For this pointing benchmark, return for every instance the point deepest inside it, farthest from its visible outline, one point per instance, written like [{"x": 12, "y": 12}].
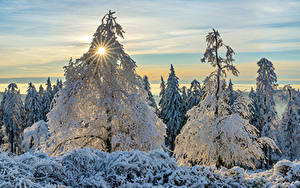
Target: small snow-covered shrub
[
  {"x": 85, "y": 167},
  {"x": 288, "y": 170},
  {"x": 139, "y": 167},
  {"x": 35, "y": 135},
  {"x": 94, "y": 168},
  {"x": 284, "y": 174},
  {"x": 282, "y": 167}
]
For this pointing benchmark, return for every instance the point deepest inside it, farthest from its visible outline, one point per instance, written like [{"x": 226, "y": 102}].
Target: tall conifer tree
[
  {"x": 13, "y": 117},
  {"x": 33, "y": 106},
  {"x": 150, "y": 97},
  {"x": 172, "y": 112}
]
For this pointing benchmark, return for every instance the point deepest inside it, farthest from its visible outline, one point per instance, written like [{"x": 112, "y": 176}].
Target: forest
[{"x": 102, "y": 127}]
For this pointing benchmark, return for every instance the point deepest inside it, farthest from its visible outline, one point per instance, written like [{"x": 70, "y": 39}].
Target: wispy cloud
[{"x": 34, "y": 33}]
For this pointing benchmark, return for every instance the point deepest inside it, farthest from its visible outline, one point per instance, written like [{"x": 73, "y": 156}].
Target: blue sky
[{"x": 37, "y": 38}]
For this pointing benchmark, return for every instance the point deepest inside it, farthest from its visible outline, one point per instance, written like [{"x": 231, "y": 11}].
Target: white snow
[{"x": 94, "y": 168}]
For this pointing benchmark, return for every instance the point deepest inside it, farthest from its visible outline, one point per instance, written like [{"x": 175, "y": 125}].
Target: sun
[{"x": 101, "y": 51}]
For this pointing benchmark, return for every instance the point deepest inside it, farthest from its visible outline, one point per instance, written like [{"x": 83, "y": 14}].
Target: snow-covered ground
[{"x": 94, "y": 168}]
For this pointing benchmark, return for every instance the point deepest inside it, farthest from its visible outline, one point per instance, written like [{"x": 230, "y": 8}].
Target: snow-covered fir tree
[
  {"x": 33, "y": 106},
  {"x": 13, "y": 117},
  {"x": 150, "y": 97},
  {"x": 161, "y": 94},
  {"x": 184, "y": 93},
  {"x": 59, "y": 84},
  {"x": 217, "y": 133},
  {"x": 1, "y": 117},
  {"x": 172, "y": 111},
  {"x": 41, "y": 92},
  {"x": 47, "y": 97},
  {"x": 46, "y": 102},
  {"x": 103, "y": 103},
  {"x": 265, "y": 88},
  {"x": 195, "y": 94},
  {"x": 49, "y": 87},
  {"x": 289, "y": 131},
  {"x": 253, "y": 108},
  {"x": 184, "y": 99},
  {"x": 231, "y": 93},
  {"x": 57, "y": 87}
]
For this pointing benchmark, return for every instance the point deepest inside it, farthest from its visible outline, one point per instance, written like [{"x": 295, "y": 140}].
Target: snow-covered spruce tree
[
  {"x": 217, "y": 133},
  {"x": 59, "y": 84},
  {"x": 184, "y": 99},
  {"x": 103, "y": 104},
  {"x": 253, "y": 108},
  {"x": 49, "y": 87},
  {"x": 150, "y": 98},
  {"x": 41, "y": 92},
  {"x": 195, "y": 94},
  {"x": 161, "y": 94},
  {"x": 184, "y": 93},
  {"x": 4, "y": 94},
  {"x": 47, "y": 99},
  {"x": 57, "y": 87},
  {"x": 33, "y": 106},
  {"x": 289, "y": 130},
  {"x": 13, "y": 118},
  {"x": 172, "y": 112},
  {"x": 265, "y": 88},
  {"x": 231, "y": 93}
]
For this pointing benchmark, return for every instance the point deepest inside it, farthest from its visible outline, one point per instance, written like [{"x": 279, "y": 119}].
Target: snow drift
[{"x": 94, "y": 168}]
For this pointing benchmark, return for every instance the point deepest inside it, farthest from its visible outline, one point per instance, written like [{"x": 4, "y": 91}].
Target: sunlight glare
[{"x": 101, "y": 51}]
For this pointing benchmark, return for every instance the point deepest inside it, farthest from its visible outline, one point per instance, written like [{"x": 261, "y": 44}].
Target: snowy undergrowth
[{"x": 94, "y": 168}]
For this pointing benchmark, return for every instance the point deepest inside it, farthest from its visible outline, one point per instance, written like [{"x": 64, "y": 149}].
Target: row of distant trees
[
  {"x": 172, "y": 108},
  {"x": 16, "y": 115}
]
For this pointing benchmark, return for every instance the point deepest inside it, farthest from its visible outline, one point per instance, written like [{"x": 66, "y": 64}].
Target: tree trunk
[
  {"x": 108, "y": 144},
  {"x": 270, "y": 156},
  {"x": 219, "y": 72},
  {"x": 266, "y": 157},
  {"x": 219, "y": 163},
  {"x": 261, "y": 163},
  {"x": 172, "y": 144},
  {"x": 109, "y": 133},
  {"x": 12, "y": 141}
]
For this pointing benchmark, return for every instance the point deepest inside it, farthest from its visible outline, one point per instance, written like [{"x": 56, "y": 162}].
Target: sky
[{"x": 37, "y": 38}]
